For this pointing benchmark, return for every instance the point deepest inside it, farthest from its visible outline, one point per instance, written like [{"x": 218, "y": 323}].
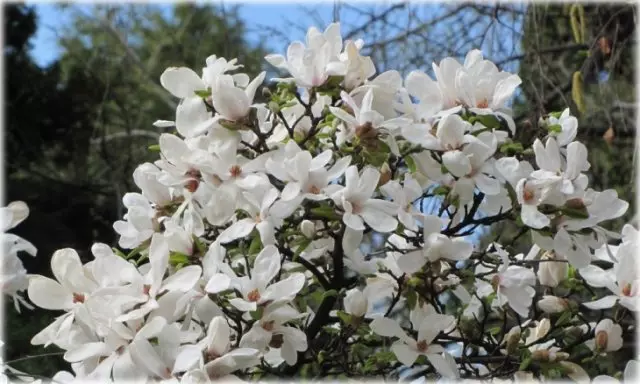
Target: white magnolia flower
[
  {"x": 622, "y": 280},
  {"x": 358, "y": 68},
  {"x": 359, "y": 208},
  {"x": 356, "y": 303},
  {"x": 404, "y": 196},
  {"x": 231, "y": 102},
  {"x": 270, "y": 333},
  {"x": 311, "y": 65},
  {"x": 514, "y": 285},
  {"x": 264, "y": 215},
  {"x": 477, "y": 85},
  {"x": 436, "y": 246},
  {"x": 212, "y": 358},
  {"x": 366, "y": 123},
  {"x": 566, "y": 173},
  {"x": 608, "y": 337},
  {"x": 408, "y": 349},
  {"x": 71, "y": 289},
  {"x": 563, "y": 127},
  {"x": 305, "y": 175},
  {"x": 258, "y": 290}
]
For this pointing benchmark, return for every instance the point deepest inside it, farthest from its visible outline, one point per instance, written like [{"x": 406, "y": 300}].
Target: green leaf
[
  {"x": 176, "y": 258},
  {"x": 154, "y": 148},
  {"x": 441, "y": 190},
  {"x": 411, "y": 164},
  {"x": 119, "y": 253},
  {"x": 525, "y": 363},
  {"x": 329, "y": 293},
  {"x": 344, "y": 317},
  {"x": 564, "y": 318},
  {"x": 412, "y": 299},
  {"x": 489, "y": 121},
  {"x": 510, "y": 149},
  {"x": 376, "y": 158},
  {"x": 555, "y": 128},
  {"x": 257, "y": 314},
  {"x": 325, "y": 211},
  {"x": 204, "y": 94},
  {"x": 303, "y": 245},
  {"x": 256, "y": 244},
  {"x": 578, "y": 213}
]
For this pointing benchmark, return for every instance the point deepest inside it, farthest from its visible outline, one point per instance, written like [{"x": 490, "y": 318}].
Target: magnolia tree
[{"x": 286, "y": 239}]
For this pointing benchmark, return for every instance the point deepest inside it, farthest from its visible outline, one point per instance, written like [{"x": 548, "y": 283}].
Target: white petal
[
  {"x": 218, "y": 283},
  {"x": 603, "y": 303},
  {"x": 239, "y": 229},
  {"x": 49, "y": 294},
  {"x": 404, "y": 353},
  {"x": 285, "y": 288},
  {"x": 181, "y": 82}
]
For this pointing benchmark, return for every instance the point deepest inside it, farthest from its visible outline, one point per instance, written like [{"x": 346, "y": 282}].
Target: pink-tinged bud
[
  {"x": 552, "y": 304},
  {"x": 308, "y": 229},
  {"x": 355, "y": 303},
  {"x": 552, "y": 273}
]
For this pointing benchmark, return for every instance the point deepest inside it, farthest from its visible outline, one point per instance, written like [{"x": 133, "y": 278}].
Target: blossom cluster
[{"x": 273, "y": 218}]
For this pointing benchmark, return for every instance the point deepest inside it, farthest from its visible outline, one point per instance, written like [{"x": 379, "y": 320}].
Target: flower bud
[
  {"x": 551, "y": 273},
  {"x": 385, "y": 174},
  {"x": 552, "y": 304},
  {"x": 513, "y": 340},
  {"x": 601, "y": 340},
  {"x": 308, "y": 229},
  {"x": 355, "y": 303}
]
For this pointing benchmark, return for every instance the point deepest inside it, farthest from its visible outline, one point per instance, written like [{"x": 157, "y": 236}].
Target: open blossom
[
  {"x": 367, "y": 124},
  {"x": 621, "y": 280},
  {"x": 608, "y": 337},
  {"x": 258, "y": 289},
  {"x": 311, "y": 65},
  {"x": 514, "y": 285},
  {"x": 408, "y": 349},
  {"x": 436, "y": 246},
  {"x": 359, "y": 207}
]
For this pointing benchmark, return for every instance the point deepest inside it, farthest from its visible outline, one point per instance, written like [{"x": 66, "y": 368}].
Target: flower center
[
  {"x": 209, "y": 355},
  {"x": 268, "y": 326},
  {"x": 483, "y": 103},
  {"x": 146, "y": 289},
  {"x": 276, "y": 341},
  {"x": 528, "y": 195},
  {"x": 253, "y": 296},
  {"x": 235, "y": 171},
  {"x": 355, "y": 208},
  {"x": 495, "y": 282},
  {"x": 78, "y": 298},
  {"x": 601, "y": 340},
  {"x": 422, "y": 346},
  {"x": 366, "y": 131},
  {"x": 315, "y": 190},
  {"x": 192, "y": 184},
  {"x": 626, "y": 290}
]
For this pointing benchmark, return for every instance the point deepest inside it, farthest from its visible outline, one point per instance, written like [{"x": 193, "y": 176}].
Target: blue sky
[{"x": 51, "y": 18}]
